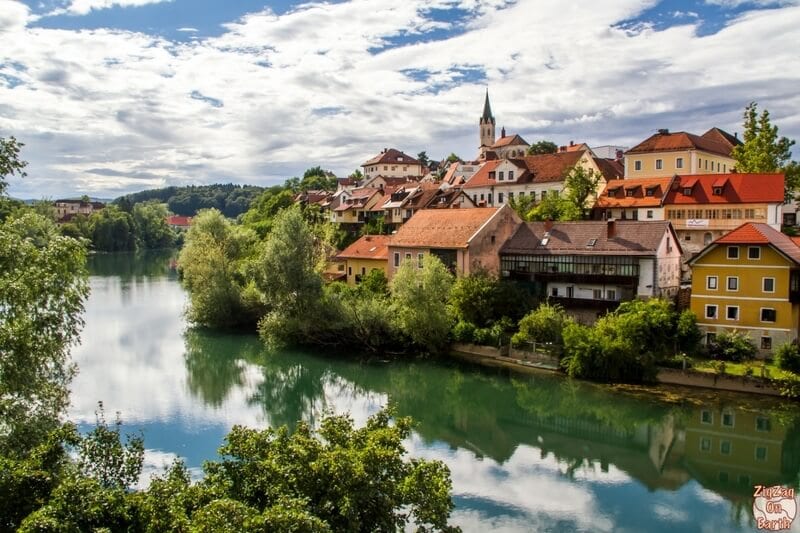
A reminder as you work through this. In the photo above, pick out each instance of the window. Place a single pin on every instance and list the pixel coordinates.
(711, 283)
(754, 252)
(762, 424)
(363, 271)
(761, 453)
(724, 168)
(629, 192)
(349, 271)
(544, 194)
(420, 258)
(679, 163)
(385, 167)
(637, 165)
(500, 175)
(405, 169)
(728, 419)
(687, 191)
(510, 177)
(649, 213)
(705, 444)
(768, 284)
(717, 191)
(707, 238)
(510, 195)
(732, 312)
(533, 196)
(733, 252)
(499, 198)
(733, 283)
(597, 294)
(766, 343)
(397, 259)
(768, 314)
(705, 163)
(687, 237)
(725, 447)
(659, 164)
(475, 198)
(554, 291)
(394, 167)
(711, 311)
(611, 294)
(482, 197)
(706, 417)
(493, 239)
(408, 255)
(650, 192)
(717, 167)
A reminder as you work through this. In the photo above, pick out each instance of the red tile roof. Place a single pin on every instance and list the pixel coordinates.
(442, 228)
(391, 156)
(666, 142)
(367, 247)
(758, 233)
(509, 140)
(639, 186)
(739, 189)
(722, 136)
(541, 168)
(180, 221)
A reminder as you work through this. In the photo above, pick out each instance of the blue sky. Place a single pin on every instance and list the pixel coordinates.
(112, 96)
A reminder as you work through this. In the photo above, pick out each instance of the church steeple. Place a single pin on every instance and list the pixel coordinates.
(486, 126)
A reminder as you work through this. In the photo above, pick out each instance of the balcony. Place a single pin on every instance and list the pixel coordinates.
(597, 279)
(584, 303)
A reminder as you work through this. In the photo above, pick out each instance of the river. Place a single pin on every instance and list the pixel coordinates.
(526, 452)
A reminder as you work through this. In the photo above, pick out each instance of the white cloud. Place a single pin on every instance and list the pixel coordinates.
(122, 101)
(84, 7)
(732, 4)
(187, 30)
(13, 15)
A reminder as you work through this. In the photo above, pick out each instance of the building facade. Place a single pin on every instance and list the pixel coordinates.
(668, 153)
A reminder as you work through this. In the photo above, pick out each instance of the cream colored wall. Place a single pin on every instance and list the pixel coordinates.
(396, 169)
(694, 162)
(353, 268)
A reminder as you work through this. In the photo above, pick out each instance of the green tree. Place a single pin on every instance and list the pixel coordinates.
(113, 230)
(423, 159)
(43, 286)
(556, 207)
(265, 208)
(103, 456)
(763, 151)
(475, 298)
(542, 147)
(212, 262)
(580, 185)
(733, 346)
(150, 223)
(523, 205)
(544, 324)
(453, 158)
(419, 302)
(10, 163)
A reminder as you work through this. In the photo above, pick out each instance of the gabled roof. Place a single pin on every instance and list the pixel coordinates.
(757, 233)
(443, 228)
(510, 140)
(551, 167)
(611, 169)
(739, 189)
(178, 220)
(391, 156)
(680, 140)
(722, 136)
(635, 237)
(367, 247)
(639, 186)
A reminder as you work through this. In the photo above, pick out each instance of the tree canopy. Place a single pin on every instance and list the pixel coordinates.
(231, 200)
(542, 147)
(10, 163)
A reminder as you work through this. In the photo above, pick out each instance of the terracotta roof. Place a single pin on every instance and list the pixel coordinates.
(759, 233)
(722, 136)
(666, 142)
(739, 189)
(611, 169)
(639, 186)
(390, 156)
(541, 168)
(572, 147)
(634, 237)
(367, 247)
(509, 140)
(442, 228)
(358, 199)
(177, 220)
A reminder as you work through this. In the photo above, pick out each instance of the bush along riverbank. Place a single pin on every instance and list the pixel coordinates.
(274, 285)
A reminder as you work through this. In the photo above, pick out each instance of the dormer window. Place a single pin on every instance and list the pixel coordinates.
(591, 242)
(650, 192)
(492, 175)
(611, 192)
(687, 191)
(629, 193)
(717, 191)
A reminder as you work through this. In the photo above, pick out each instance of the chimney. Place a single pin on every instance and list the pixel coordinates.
(619, 154)
(572, 143)
(611, 228)
(663, 131)
(503, 131)
(735, 134)
(548, 225)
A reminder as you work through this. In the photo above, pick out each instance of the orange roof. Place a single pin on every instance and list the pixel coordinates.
(442, 228)
(178, 220)
(716, 134)
(738, 189)
(759, 233)
(367, 247)
(666, 142)
(640, 198)
(509, 140)
(541, 168)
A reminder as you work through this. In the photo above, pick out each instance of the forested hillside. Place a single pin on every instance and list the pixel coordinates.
(232, 200)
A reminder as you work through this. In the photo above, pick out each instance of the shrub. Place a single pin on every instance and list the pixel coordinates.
(787, 357)
(734, 346)
(544, 324)
(463, 331)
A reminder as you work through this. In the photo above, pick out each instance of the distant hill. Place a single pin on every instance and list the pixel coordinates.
(231, 199)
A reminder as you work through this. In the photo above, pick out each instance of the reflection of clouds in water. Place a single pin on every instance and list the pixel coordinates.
(670, 514)
(156, 463)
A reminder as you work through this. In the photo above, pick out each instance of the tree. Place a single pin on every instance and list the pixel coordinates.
(43, 287)
(477, 299)
(263, 210)
(150, 224)
(544, 324)
(419, 302)
(212, 262)
(555, 207)
(763, 151)
(423, 159)
(10, 163)
(113, 230)
(523, 205)
(580, 184)
(542, 147)
(453, 158)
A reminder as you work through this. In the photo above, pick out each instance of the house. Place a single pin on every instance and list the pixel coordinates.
(464, 239)
(393, 163)
(536, 176)
(633, 199)
(368, 253)
(592, 266)
(703, 208)
(668, 153)
(749, 281)
(67, 209)
(353, 207)
(459, 173)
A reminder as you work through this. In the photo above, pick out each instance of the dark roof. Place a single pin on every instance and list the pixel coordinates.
(391, 156)
(633, 237)
(611, 169)
(736, 189)
(758, 233)
(680, 140)
(510, 140)
(487, 110)
(716, 134)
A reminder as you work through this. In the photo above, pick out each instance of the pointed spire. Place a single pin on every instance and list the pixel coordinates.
(487, 109)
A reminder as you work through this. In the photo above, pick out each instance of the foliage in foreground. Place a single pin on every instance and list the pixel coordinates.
(339, 478)
(733, 346)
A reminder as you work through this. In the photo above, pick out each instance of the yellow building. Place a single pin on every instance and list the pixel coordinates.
(368, 253)
(667, 154)
(749, 281)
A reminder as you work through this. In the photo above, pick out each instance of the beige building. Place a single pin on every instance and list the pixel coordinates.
(368, 253)
(391, 163)
(66, 209)
(667, 154)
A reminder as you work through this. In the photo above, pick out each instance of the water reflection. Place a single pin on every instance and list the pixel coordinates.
(526, 452)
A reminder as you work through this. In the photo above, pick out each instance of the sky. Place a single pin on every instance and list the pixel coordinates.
(115, 96)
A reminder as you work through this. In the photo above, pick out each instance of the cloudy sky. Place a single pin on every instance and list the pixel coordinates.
(113, 96)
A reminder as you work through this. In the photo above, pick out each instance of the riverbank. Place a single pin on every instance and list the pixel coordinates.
(526, 361)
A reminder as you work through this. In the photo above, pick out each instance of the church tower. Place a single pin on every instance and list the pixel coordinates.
(486, 127)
